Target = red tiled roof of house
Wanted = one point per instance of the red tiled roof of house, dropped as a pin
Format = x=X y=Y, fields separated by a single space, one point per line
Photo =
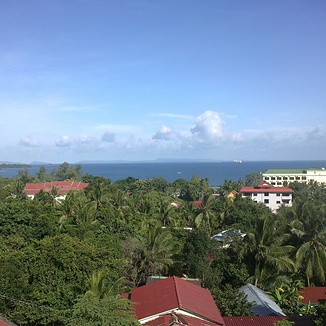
x=264 y=186
x=172 y=294
x=197 y=203
x=313 y=294
x=5 y=322
x=63 y=187
x=178 y=319
x=266 y=320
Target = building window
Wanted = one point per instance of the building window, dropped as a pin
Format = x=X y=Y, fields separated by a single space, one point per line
x=266 y=201
x=304 y=178
x=279 y=183
x=286 y=201
x=255 y=194
x=278 y=195
x=266 y=194
x=266 y=178
x=278 y=202
x=297 y=178
x=285 y=178
x=291 y=178
x=279 y=178
x=272 y=178
x=285 y=194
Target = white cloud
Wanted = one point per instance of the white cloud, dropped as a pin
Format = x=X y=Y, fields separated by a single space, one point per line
x=29 y=142
x=108 y=137
x=165 y=133
x=64 y=141
x=208 y=128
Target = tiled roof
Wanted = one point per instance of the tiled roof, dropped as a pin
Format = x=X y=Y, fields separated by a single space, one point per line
x=267 y=320
x=313 y=294
x=263 y=187
x=5 y=322
x=63 y=187
x=197 y=203
x=180 y=320
x=172 y=294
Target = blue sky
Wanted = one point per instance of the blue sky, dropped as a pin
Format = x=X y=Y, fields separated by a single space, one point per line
x=148 y=79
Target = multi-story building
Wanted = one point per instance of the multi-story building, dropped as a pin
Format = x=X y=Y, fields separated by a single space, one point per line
x=272 y=197
x=281 y=177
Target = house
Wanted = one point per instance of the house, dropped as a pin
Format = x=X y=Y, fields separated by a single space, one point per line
x=173 y=301
x=280 y=177
x=272 y=197
x=267 y=320
x=62 y=188
x=6 y=322
x=262 y=304
x=313 y=294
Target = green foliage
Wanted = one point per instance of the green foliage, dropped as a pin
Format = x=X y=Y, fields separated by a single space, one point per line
x=284 y=322
x=149 y=254
x=266 y=245
x=109 y=311
x=288 y=297
x=320 y=313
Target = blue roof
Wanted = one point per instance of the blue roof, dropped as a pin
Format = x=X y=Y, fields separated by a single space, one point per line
x=262 y=304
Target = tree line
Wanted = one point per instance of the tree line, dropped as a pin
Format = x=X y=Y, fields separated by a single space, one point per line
x=64 y=263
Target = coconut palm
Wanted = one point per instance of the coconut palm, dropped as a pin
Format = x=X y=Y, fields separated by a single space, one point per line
x=265 y=242
x=205 y=212
x=310 y=228
x=150 y=254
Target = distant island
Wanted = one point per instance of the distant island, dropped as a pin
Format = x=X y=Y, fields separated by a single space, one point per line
x=13 y=165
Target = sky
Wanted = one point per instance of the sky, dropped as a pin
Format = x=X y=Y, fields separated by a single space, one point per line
x=105 y=80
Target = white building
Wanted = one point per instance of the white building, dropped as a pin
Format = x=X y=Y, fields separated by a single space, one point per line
x=272 y=197
x=280 y=177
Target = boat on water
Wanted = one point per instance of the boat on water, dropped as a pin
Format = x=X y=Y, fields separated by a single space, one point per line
x=237 y=161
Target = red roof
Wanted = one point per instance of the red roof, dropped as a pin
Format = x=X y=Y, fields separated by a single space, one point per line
x=267 y=320
x=63 y=187
x=313 y=294
x=197 y=203
x=5 y=322
x=178 y=319
x=264 y=186
x=172 y=294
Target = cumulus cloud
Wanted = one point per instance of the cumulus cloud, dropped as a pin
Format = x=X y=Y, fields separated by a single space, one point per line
x=208 y=127
x=29 y=142
x=64 y=141
x=108 y=137
x=165 y=133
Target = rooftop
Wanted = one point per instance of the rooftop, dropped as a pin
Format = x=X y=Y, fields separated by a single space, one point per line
x=313 y=294
x=175 y=295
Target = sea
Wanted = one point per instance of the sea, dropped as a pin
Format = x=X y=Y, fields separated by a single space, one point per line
x=215 y=172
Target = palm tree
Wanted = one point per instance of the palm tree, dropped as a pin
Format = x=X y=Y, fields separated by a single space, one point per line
x=150 y=254
x=310 y=229
x=266 y=245
x=205 y=212
x=99 y=287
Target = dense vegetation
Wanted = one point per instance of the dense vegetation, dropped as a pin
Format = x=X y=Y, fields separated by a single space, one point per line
x=63 y=263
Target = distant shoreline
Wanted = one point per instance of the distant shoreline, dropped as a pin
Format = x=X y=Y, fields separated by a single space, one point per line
x=13 y=166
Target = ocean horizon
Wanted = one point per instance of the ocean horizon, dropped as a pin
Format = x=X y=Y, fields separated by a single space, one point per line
x=215 y=172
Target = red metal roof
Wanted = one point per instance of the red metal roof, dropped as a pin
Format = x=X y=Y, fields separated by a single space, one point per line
x=266 y=320
x=2 y=323
x=180 y=320
x=313 y=294
x=174 y=293
x=197 y=203
x=265 y=187
x=63 y=187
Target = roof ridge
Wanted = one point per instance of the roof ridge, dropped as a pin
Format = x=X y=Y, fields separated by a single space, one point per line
x=177 y=291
